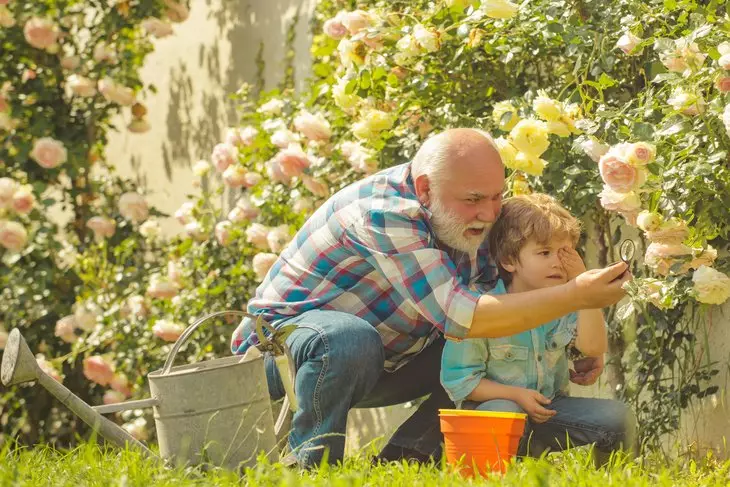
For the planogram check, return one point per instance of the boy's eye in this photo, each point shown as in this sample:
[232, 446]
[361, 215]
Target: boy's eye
[545, 252]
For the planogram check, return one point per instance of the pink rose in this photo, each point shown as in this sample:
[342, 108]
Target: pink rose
[303, 205]
[175, 273]
[724, 61]
[723, 83]
[234, 176]
[293, 161]
[261, 264]
[334, 27]
[156, 27]
[139, 126]
[661, 257]
[98, 370]
[28, 74]
[65, 328]
[70, 62]
[275, 171]
[195, 231]
[703, 257]
[133, 206]
[101, 226]
[176, 12]
[86, 316]
[113, 397]
[241, 137]
[278, 237]
[628, 42]
[48, 368]
[167, 330]
[23, 201]
[317, 187]
[48, 152]
[257, 235]
[184, 214]
[137, 428]
[283, 137]
[251, 179]
[618, 174]
[248, 209]
[6, 17]
[223, 232]
[104, 53]
[237, 215]
[314, 127]
[40, 33]
[672, 231]
[161, 288]
[134, 306]
[81, 86]
[120, 383]
[116, 93]
[356, 21]
[640, 153]
[13, 235]
[8, 187]
[4, 105]
[223, 156]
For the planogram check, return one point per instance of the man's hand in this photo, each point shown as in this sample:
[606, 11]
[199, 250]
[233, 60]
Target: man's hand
[572, 262]
[532, 402]
[587, 370]
[598, 288]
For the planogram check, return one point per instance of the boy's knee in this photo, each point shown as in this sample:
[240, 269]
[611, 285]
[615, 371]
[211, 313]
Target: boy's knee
[500, 405]
[620, 426]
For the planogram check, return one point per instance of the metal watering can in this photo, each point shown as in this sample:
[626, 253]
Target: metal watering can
[215, 412]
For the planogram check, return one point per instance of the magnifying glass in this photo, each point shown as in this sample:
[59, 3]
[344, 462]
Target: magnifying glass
[627, 251]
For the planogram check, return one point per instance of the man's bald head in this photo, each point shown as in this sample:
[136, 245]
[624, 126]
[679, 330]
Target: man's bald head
[455, 150]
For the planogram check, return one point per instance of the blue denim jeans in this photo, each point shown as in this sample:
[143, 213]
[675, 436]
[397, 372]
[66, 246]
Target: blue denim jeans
[339, 362]
[605, 423]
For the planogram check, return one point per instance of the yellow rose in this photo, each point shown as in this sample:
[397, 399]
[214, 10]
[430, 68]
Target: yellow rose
[371, 124]
[499, 9]
[507, 151]
[519, 186]
[531, 137]
[342, 99]
[549, 110]
[641, 153]
[711, 286]
[558, 128]
[499, 110]
[529, 164]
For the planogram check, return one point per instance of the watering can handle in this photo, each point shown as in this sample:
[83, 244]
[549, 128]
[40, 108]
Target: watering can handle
[189, 331]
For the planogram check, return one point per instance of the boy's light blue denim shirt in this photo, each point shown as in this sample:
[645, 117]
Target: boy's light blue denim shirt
[535, 359]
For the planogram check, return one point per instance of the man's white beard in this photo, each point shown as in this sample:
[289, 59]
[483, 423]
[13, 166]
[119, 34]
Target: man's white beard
[451, 231]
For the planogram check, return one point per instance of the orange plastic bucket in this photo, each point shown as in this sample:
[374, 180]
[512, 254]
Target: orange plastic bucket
[482, 441]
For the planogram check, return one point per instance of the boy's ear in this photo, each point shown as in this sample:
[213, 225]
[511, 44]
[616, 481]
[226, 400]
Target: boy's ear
[508, 266]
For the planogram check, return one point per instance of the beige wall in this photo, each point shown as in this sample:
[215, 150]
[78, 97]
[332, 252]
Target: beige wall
[195, 71]
[210, 56]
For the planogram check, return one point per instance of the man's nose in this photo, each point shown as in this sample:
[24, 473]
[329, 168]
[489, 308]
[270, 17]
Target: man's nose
[488, 212]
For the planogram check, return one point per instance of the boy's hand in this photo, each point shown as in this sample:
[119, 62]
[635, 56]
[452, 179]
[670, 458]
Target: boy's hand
[572, 263]
[532, 402]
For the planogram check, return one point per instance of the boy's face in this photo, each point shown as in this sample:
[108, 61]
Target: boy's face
[538, 265]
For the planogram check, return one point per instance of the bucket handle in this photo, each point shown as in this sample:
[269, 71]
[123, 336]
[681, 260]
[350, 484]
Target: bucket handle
[183, 338]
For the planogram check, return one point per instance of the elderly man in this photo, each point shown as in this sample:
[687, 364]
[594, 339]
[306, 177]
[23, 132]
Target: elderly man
[380, 274]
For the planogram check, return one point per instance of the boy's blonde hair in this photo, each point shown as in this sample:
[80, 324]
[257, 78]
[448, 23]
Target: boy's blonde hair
[523, 218]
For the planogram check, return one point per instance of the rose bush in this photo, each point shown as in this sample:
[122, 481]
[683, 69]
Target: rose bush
[620, 110]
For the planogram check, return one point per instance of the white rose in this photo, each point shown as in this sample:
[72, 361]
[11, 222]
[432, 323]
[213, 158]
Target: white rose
[272, 107]
[711, 286]
[161, 288]
[427, 39]
[116, 93]
[648, 221]
[167, 330]
[283, 137]
[102, 227]
[278, 237]
[314, 127]
[86, 316]
[726, 119]
[65, 328]
[137, 429]
[257, 235]
[261, 264]
[615, 201]
[688, 103]
[407, 50]
[223, 232]
[628, 42]
[133, 206]
[248, 208]
[150, 229]
[342, 99]
[593, 148]
[103, 52]
[201, 168]
[195, 231]
[184, 214]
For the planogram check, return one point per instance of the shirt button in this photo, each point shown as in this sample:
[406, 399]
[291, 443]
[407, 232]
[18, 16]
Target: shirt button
[539, 358]
[508, 355]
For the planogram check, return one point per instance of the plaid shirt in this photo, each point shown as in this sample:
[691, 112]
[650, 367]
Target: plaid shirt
[370, 251]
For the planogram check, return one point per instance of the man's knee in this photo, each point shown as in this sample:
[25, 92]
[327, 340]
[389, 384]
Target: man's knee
[619, 422]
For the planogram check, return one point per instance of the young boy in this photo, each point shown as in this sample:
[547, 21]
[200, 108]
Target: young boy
[533, 243]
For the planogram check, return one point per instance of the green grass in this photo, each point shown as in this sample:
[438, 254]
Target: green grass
[90, 465]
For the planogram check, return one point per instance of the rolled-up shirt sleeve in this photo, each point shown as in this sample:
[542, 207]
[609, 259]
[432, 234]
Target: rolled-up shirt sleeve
[397, 245]
[463, 366]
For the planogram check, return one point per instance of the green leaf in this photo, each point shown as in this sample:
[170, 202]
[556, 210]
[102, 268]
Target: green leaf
[606, 81]
[392, 80]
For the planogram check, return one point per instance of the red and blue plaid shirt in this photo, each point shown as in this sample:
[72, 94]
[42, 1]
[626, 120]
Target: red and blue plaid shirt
[370, 251]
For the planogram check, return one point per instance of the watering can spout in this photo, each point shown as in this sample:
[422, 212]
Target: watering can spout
[19, 366]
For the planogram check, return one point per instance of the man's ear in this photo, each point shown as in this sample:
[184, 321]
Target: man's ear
[423, 189]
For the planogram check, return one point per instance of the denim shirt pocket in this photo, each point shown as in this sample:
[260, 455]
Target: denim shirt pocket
[556, 345]
[507, 364]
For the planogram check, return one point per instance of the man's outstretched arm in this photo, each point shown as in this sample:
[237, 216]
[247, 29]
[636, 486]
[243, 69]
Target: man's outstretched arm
[508, 314]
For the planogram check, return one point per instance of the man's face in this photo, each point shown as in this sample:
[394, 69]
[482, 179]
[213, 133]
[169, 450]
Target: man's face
[465, 207]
